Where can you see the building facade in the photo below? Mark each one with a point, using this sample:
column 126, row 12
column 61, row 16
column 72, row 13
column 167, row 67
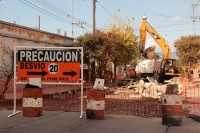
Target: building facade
column 16, row 35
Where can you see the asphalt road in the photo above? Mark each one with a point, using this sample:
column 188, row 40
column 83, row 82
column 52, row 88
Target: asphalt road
column 69, row 122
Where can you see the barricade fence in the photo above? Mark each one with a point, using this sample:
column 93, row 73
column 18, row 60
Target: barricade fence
column 191, row 94
column 141, row 99
column 58, row 97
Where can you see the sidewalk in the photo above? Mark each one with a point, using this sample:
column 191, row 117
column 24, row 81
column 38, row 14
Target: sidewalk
column 69, row 122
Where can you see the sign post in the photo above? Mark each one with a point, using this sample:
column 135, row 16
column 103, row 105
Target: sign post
column 14, row 91
column 54, row 65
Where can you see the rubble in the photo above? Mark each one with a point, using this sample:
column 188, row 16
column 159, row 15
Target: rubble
column 139, row 89
column 152, row 88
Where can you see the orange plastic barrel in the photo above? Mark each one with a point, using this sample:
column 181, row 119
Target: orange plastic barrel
column 172, row 110
column 95, row 104
column 32, row 102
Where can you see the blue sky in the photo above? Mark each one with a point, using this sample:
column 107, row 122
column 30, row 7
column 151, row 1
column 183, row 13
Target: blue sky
column 171, row 18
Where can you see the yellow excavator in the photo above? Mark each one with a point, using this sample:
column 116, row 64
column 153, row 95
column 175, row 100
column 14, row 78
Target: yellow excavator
column 168, row 68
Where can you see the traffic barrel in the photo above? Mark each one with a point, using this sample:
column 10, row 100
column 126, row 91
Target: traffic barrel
column 172, row 110
column 95, row 104
column 32, row 101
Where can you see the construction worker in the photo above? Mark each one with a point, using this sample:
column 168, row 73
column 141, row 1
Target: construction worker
column 132, row 74
column 125, row 74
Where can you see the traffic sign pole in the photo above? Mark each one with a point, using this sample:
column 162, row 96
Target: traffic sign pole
column 81, row 116
column 14, row 93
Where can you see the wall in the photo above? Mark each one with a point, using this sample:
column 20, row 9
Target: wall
column 13, row 34
column 16, row 35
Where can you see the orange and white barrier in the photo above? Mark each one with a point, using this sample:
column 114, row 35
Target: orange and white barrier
column 95, row 104
column 32, row 102
column 172, row 110
column 33, row 98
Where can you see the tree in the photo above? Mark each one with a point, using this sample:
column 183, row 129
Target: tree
column 187, row 50
column 115, row 49
column 126, row 48
column 103, row 48
column 94, row 49
column 6, row 66
column 117, row 46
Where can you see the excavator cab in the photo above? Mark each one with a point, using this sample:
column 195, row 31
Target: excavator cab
column 168, row 69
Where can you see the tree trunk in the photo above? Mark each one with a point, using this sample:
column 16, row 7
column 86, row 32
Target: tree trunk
column 93, row 72
column 115, row 71
column 5, row 86
column 89, row 73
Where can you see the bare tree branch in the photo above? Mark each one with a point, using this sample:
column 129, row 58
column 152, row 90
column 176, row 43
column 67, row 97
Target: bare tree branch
column 6, row 66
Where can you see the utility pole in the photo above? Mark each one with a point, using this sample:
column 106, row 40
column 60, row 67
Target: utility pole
column 39, row 23
column 94, row 15
column 94, row 28
column 0, row 9
column 195, row 5
column 194, row 18
column 78, row 24
column 72, row 18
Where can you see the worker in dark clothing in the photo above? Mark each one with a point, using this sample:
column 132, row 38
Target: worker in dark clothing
column 125, row 74
column 132, row 74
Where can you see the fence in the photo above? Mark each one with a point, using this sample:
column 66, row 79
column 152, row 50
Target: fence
column 191, row 94
column 139, row 99
column 59, row 97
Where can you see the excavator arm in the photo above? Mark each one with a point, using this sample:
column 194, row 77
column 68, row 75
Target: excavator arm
column 145, row 27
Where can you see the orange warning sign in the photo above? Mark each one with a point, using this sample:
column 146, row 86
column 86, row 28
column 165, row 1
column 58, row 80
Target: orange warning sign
column 49, row 71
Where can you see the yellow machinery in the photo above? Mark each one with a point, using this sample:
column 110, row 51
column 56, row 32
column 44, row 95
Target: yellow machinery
column 145, row 27
column 168, row 68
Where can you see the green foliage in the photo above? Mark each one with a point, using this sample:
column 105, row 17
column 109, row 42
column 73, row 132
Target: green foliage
column 118, row 45
column 187, row 49
column 128, row 49
column 94, row 46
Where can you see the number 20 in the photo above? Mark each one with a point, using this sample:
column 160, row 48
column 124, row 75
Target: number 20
column 53, row 68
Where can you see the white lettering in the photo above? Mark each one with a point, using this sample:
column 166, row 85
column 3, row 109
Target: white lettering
column 68, row 56
column 34, row 56
column 46, row 57
column 28, row 56
column 50, row 56
column 59, row 56
column 40, row 56
column 22, row 55
column 74, row 56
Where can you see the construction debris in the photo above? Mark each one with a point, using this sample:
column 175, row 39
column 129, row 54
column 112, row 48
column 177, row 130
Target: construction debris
column 151, row 88
column 139, row 89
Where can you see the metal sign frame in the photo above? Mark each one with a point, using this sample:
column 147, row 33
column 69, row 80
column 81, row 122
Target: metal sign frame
column 80, row 82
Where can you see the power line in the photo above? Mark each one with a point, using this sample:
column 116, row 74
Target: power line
column 53, row 14
column 44, row 11
column 58, row 10
column 178, row 30
column 159, row 27
column 105, row 8
column 140, row 10
column 186, row 22
column 194, row 5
